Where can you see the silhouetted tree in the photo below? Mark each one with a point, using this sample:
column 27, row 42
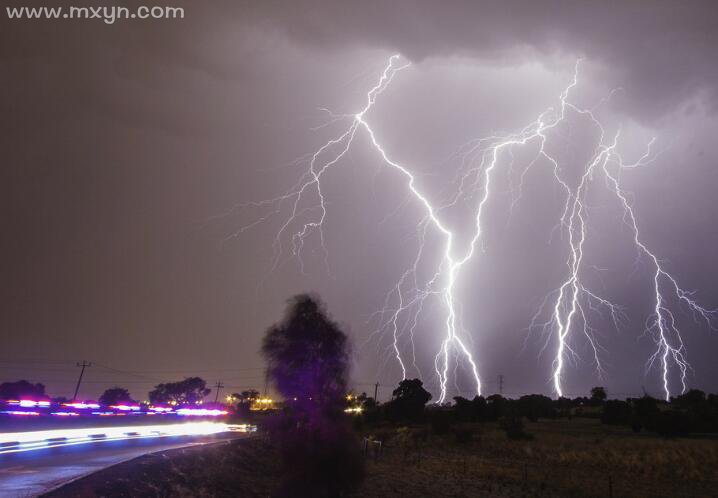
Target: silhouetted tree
column 535, row 406
column 464, row 409
column 248, row 396
column 244, row 400
column 470, row 410
column 188, row 391
column 308, row 359
column 21, row 389
column 564, row 406
column 616, row 412
column 307, row 354
column 116, row 396
column 480, row 408
column 693, row 400
column 513, row 425
column 495, row 407
column 670, row 423
column 409, row 400
column 645, row 410
column 598, row 395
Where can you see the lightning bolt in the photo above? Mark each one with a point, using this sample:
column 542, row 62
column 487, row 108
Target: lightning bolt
column 570, row 305
column 670, row 350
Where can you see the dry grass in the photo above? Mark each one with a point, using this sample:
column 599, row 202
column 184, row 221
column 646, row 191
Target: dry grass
column 241, row 468
column 580, row 457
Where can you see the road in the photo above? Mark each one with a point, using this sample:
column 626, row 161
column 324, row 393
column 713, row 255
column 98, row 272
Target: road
column 35, row 472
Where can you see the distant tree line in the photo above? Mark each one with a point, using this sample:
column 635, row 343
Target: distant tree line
column 692, row 412
column 191, row 390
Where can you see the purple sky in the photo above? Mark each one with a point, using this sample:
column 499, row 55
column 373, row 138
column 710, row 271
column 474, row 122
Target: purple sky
column 127, row 146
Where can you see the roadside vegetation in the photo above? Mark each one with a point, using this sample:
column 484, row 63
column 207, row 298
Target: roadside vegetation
column 325, row 442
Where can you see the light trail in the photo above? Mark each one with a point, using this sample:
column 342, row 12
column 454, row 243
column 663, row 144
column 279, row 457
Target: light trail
column 15, row 442
column 570, row 304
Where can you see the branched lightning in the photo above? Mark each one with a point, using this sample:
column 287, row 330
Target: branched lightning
column 567, row 309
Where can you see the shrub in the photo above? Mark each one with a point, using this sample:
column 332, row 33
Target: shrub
column 670, row 423
column 616, row 412
column 513, row 426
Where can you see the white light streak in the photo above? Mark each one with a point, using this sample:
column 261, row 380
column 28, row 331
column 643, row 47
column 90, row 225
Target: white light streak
column 14, row 442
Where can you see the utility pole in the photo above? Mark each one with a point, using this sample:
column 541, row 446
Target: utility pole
column 501, row 384
column 218, row 385
column 376, row 389
column 84, row 365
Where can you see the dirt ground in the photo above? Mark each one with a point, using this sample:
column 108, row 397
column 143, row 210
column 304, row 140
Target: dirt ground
column 578, row 457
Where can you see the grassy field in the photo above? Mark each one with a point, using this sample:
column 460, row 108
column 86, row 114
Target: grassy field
column 578, row 457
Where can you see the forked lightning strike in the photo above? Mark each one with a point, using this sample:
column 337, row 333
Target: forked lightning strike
column 569, row 306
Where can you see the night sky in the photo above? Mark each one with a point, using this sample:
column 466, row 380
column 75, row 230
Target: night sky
column 127, row 149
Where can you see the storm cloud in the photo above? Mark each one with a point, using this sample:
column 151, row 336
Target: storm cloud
column 660, row 51
column 127, row 148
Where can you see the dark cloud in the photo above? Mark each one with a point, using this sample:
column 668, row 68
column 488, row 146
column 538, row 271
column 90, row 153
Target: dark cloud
column 661, row 52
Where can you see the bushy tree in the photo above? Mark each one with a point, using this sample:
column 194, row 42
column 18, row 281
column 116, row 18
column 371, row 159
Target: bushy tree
column 409, row 400
column 21, row 389
column 470, row 410
column 670, row 423
column 248, row 396
column 496, row 407
column 308, row 360
column 513, row 426
column 307, row 354
column 243, row 401
column 116, row 396
column 645, row 410
column 693, row 400
column 598, row 395
column 535, row 406
column 617, row 412
column 188, row 391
